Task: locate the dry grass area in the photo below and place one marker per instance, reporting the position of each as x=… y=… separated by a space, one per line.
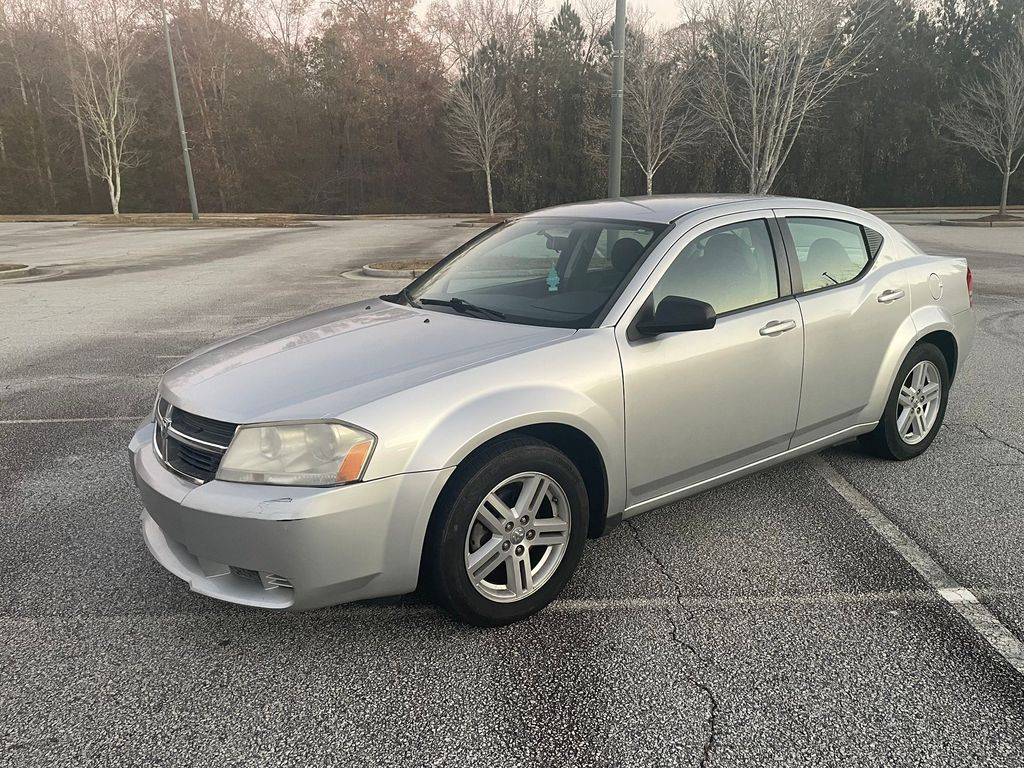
x=981 y=209
x=1000 y=217
x=173 y=219
x=205 y=220
x=227 y=219
x=405 y=264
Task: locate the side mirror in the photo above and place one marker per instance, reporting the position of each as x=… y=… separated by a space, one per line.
x=674 y=314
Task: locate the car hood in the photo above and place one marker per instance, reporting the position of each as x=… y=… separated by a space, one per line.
x=325 y=364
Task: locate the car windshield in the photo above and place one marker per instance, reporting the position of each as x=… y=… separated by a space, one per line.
x=554 y=272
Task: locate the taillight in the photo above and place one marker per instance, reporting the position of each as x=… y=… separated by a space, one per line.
x=970 y=287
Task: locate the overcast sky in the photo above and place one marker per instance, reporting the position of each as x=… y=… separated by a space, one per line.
x=664 y=12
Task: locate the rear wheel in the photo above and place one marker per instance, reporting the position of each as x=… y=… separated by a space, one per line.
x=509 y=532
x=916 y=406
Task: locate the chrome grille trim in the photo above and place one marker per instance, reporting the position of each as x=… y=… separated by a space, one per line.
x=274 y=581
x=188 y=456
x=195 y=441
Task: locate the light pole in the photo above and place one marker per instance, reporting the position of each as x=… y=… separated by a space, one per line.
x=181 y=119
x=618 y=78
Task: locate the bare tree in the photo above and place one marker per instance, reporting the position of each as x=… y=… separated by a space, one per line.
x=285 y=23
x=481 y=120
x=208 y=35
x=24 y=15
x=990 y=115
x=63 y=21
x=658 y=123
x=101 y=89
x=769 y=65
x=460 y=27
x=597 y=17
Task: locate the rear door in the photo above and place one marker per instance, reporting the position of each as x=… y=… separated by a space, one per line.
x=851 y=309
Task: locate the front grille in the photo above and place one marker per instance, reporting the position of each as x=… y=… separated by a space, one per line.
x=191 y=445
x=192 y=461
x=266 y=580
x=246 y=573
x=207 y=430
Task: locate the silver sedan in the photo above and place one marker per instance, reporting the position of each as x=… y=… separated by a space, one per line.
x=551 y=378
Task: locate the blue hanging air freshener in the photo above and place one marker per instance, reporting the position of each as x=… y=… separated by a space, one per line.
x=553 y=280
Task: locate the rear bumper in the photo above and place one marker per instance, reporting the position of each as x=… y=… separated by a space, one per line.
x=247 y=543
x=965 y=326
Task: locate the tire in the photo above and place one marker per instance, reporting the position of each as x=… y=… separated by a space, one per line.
x=519 y=566
x=900 y=436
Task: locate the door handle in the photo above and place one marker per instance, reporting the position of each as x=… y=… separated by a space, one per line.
x=891 y=295
x=775 y=327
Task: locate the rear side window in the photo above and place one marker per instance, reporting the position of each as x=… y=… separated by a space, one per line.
x=831 y=252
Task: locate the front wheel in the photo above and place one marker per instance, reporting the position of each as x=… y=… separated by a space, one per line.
x=508 y=533
x=916 y=406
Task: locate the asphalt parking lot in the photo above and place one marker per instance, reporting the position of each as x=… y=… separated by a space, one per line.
x=762 y=623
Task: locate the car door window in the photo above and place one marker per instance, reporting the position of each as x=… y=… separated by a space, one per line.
x=830 y=252
x=730 y=268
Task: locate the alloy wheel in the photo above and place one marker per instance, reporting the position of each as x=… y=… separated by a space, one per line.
x=917 y=407
x=517 y=537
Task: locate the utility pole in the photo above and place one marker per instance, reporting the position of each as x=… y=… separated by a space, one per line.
x=181 y=119
x=618 y=79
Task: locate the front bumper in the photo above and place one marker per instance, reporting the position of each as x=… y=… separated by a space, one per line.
x=245 y=543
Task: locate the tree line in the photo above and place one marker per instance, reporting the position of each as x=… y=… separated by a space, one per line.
x=354 y=106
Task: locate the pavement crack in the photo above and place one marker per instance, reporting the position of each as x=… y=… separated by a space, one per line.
x=709 y=743
x=676 y=635
x=1011 y=446
x=989 y=436
x=676 y=587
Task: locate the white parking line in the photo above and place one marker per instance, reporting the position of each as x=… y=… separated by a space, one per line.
x=964 y=601
x=72 y=420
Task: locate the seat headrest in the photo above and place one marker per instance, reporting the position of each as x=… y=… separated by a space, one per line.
x=827 y=255
x=726 y=252
x=625 y=253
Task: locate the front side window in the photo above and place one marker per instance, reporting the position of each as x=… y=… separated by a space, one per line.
x=830 y=252
x=730 y=268
x=556 y=272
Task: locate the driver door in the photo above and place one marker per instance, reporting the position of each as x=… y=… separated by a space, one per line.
x=699 y=404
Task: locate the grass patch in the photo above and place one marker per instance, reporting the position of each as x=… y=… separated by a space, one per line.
x=999 y=217
x=404 y=264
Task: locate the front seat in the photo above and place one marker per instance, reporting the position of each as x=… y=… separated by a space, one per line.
x=726 y=274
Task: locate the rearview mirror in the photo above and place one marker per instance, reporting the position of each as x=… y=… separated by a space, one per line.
x=676 y=313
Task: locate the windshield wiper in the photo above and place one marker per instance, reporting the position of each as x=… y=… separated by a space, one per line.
x=465 y=307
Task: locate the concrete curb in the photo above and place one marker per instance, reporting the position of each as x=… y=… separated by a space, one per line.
x=981 y=209
x=406 y=273
x=14 y=271
x=968 y=223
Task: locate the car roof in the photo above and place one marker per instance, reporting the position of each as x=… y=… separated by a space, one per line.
x=664 y=209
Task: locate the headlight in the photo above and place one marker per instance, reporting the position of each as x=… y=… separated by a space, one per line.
x=297 y=454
